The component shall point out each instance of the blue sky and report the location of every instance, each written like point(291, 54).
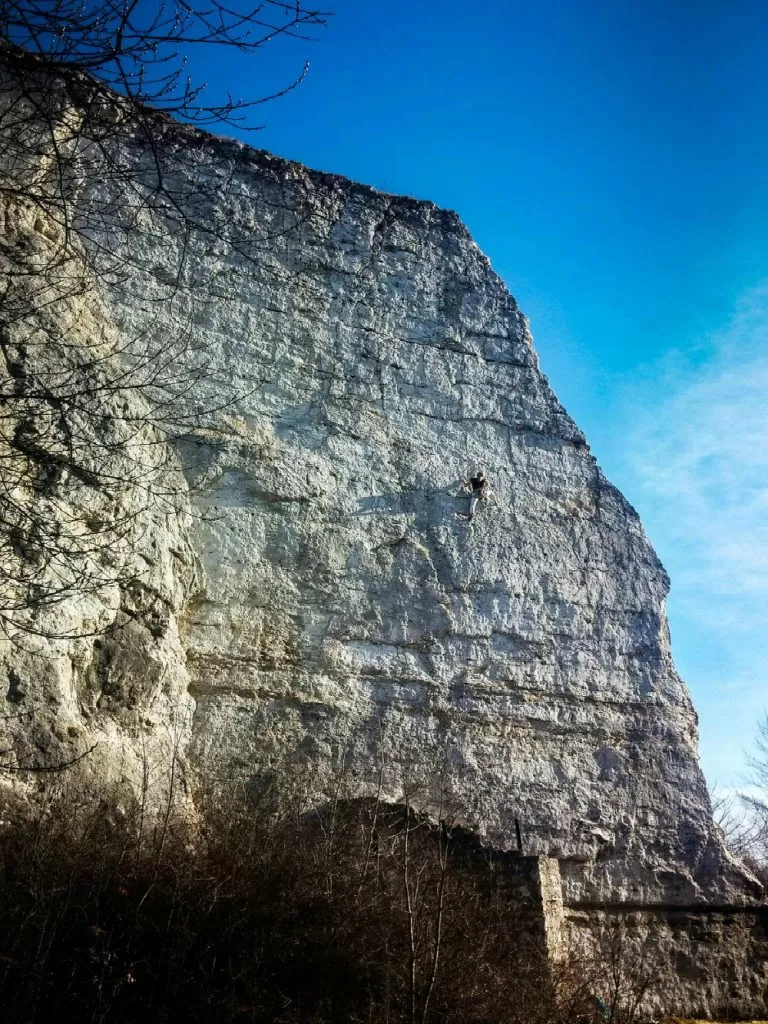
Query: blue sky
point(611, 159)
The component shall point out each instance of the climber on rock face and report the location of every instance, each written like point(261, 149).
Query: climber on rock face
point(480, 490)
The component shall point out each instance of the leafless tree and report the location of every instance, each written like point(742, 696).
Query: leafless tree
point(742, 813)
point(95, 161)
point(733, 819)
point(758, 764)
point(754, 800)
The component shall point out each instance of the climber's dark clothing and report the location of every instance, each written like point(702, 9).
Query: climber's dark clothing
point(480, 491)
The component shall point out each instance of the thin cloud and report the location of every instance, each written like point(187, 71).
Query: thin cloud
point(700, 459)
point(697, 469)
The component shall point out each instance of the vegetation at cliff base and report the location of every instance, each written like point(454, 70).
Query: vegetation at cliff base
point(358, 911)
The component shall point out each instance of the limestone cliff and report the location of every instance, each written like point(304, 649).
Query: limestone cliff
point(361, 360)
point(95, 559)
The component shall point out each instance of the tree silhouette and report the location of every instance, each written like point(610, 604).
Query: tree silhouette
point(95, 162)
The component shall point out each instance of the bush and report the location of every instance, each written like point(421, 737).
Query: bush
point(356, 911)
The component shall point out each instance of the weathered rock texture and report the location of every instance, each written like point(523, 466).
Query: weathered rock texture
point(94, 661)
point(362, 360)
point(708, 962)
point(351, 614)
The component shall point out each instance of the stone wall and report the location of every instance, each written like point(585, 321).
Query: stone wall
point(701, 961)
point(704, 960)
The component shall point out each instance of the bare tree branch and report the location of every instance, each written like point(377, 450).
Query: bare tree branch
point(101, 165)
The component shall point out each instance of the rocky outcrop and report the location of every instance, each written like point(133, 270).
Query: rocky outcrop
point(365, 359)
point(350, 366)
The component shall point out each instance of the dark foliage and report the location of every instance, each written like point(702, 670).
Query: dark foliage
point(356, 912)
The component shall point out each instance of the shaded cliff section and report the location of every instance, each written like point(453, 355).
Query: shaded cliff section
point(95, 560)
point(360, 359)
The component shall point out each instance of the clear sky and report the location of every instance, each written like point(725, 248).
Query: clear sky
point(611, 158)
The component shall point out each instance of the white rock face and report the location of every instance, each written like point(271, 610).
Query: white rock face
point(363, 360)
point(351, 614)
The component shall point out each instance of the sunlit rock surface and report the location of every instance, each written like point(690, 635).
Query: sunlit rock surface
point(364, 359)
point(351, 365)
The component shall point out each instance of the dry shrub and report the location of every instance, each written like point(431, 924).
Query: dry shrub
point(354, 911)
